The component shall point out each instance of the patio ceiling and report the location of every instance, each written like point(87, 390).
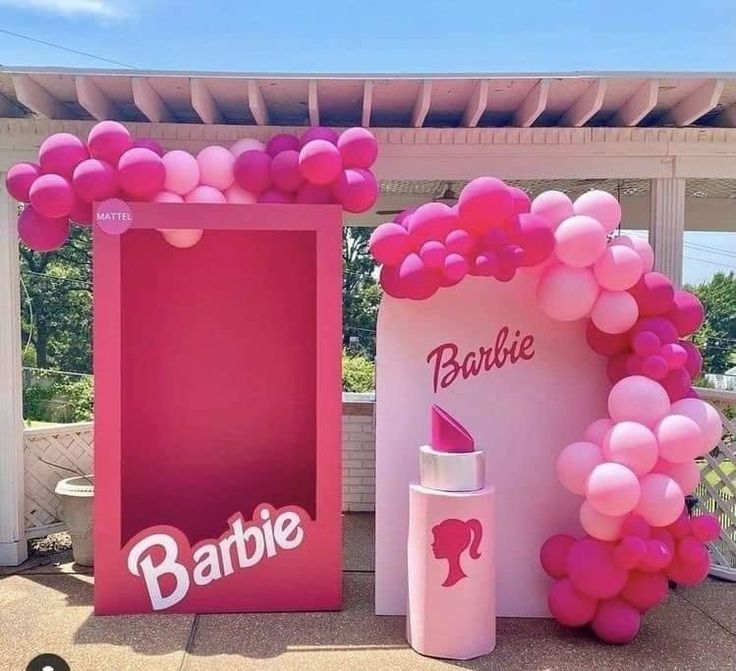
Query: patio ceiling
point(429, 101)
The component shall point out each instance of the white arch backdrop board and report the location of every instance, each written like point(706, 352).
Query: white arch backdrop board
point(522, 414)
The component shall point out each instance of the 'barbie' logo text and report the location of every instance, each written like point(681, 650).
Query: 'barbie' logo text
point(451, 538)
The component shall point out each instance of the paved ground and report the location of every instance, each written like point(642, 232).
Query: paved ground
point(47, 608)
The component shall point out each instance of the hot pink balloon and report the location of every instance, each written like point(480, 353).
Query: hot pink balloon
point(680, 439)
point(654, 367)
point(205, 194)
point(455, 268)
point(81, 213)
point(633, 445)
point(554, 206)
point(60, 153)
point(553, 555)
point(661, 500)
point(356, 190)
point(662, 327)
point(521, 201)
point(619, 268)
point(616, 621)
point(677, 384)
point(216, 167)
point(600, 526)
point(705, 528)
point(567, 294)
point(459, 242)
point(705, 416)
point(687, 313)
point(108, 141)
point(19, 178)
point(614, 312)
point(95, 180)
point(645, 590)
point(320, 162)
point(433, 253)
point(597, 430)
point(694, 363)
point(606, 344)
point(432, 221)
point(630, 551)
point(580, 241)
point(646, 343)
point(246, 144)
point(486, 264)
point(319, 133)
point(238, 196)
point(485, 202)
point(150, 143)
point(314, 194)
point(601, 206)
point(689, 574)
point(575, 464)
point(389, 243)
point(358, 148)
point(52, 196)
point(654, 293)
point(167, 197)
point(612, 489)
point(40, 233)
point(182, 172)
point(390, 282)
point(275, 197)
point(536, 238)
point(282, 142)
point(285, 173)
point(641, 246)
point(635, 525)
point(141, 173)
point(183, 238)
point(674, 354)
point(638, 399)
point(570, 607)
point(593, 571)
point(252, 171)
point(417, 282)
point(617, 367)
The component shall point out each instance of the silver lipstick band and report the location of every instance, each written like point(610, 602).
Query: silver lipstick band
point(451, 471)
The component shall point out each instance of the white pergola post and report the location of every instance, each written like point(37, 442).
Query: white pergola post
point(667, 225)
point(13, 547)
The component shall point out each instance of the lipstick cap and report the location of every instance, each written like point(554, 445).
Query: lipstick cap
point(451, 471)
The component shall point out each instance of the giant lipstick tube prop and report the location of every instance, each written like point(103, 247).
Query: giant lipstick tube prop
point(451, 568)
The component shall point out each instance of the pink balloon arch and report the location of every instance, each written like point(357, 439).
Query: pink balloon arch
point(633, 467)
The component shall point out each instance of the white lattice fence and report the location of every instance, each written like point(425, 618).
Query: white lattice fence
point(717, 491)
point(68, 446)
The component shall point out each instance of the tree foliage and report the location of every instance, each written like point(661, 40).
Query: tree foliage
point(717, 336)
point(361, 293)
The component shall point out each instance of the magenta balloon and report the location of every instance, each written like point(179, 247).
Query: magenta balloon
point(417, 282)
point(619, 268)
point(282, 142)
point(246, 144)
point(616, 621)
point(52, 196)
point(597, 430)
point(358, 148)
point(455, 268)
point(634, 365)
point(658, 557)
point(459, 241)
point(236, 195)
point(630, 552)
point(686, 474)
point(580, 241)
point(485, 202)
point(661, 501)
point(150, 143)
point(60, 153)
point(314, 194)
point(494, 239)
point(432, 221)
point(285, 172)
point(276, 196)
point(654, 293)
point(614, 311)
point(677, 384)
point(507, 267)
point(638, 399)
point(662, 327)
point(641, 246)
point(141, 173)
point(600, 526)
point(319, 133)
point(575, 464)
point(553, 555)
point(635, 525)
point(680, 439)
point(633, 445)
point(674, 354)
point(691, 551)
point(655, 367)
point(568, 606)
point(182, 172)
point(167, 197)
point(252, 171)
point(592, 569)
point(646, 343)
point(554, 206)
point(19, 179)
point(433, 253)
point(205, 194)
point(486, 264)
point(705, 528)
point(520, 201)
point(95, 180)
point(694, 363)
point(645, 590)
point(356, 189)
point(601, 206)
point(319, 162)
point(536, 238)
point(108, 141)
point(216, 167)
point(705, 416)
point(606, 344)
point(687, 314)
point(403, 215)
point(389, 244)
point(390, 282)
point(689, 574)
point(612, 489)
point(567, 294)
point(81, 213)
point(40, 233)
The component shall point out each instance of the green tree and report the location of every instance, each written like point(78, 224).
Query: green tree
point(360, 292)
point(717, 336)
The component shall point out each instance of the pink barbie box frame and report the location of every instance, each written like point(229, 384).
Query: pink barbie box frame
point(217, 410)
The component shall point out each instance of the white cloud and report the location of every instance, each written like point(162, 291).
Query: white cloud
point(107, 9)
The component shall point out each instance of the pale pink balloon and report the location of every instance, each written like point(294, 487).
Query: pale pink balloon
point(239, 196)
point(705, 416)
point(553, 555)
point(246, 144)
point(554, 206)
point(600, 526)
point(614, 312)
point(641, 246)
point(182, 238)
point(612, 489)
point(569, 606)
point(580, 241)
point(205, 194)
point(638, 399)
point(633, 445)
point(680, 439)
point(182, 171)
point(215, 167)
point(687, 474)
point(601, 206)
point(567, 294)
point(40, 233)
point(597, 430)
point(619, 268)
point(167, 197)
point(575, 463)
point(661, 501)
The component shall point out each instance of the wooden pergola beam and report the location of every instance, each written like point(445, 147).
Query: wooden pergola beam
point(421, 104)
point(91, 97)
point(476, 105)
point(639, 105)
point(37, 99)
point(533, 105)
point(365, 118)
point(698, 103)
point(313, 103)
point(257, 104)
point(583, 109)
point(203, 102)
point(149, 102)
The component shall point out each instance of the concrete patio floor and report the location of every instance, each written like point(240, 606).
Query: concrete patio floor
point(45, 606)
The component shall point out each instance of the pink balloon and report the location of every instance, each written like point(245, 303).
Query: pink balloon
point(108, 141)
point(319, 133)
point(646, 343)
point(389, 244)
point(619, 268)
point(432, 221)
point(705, 528)
point(613, 489)
point(182, 172)
point(680, 439)
point(638, 399)
point(402, 217)
point(617, 367)
point(320, 162)
point(641, 246)
point(600, 526)
point(282, 142)
point(95, 180)
point(52, 196)
point(521, 201)
point(568, 606)
point(659, 555)
point(252, 171)
point(390, 282)
point(141, 173)
point(455, 268)
point(246, 144)
point(634, 525)
point(356, 189)
point(239, 196)
point(575, 464)
point(687, 313)
point(694, 363)
point(149, 143)
point(314, 194)
point(216, 167)
point(19, 178)
point(592, 569)
point(205, 194)
point(645, 590)
point(183, 238)
point(417, 282)
point(459, 242)
point(358, 148)
point(681, 526)
point(654, 293)
point(81, 213)
point(674, 354)
point(662, 327)
point(597, 430)
point(661, 500)
point(285, 173)
point(677, 384)
point(60, 153)
point(614, 311)
point(689, 574)
point(633, 445)
point(433, 253)
point(580, 241)
point(275, 196)
point(630, 552)
point(167, 197)
point(485, 202)
point(553, 555)
point(616, 621)
point(705, 416)
point(691, 551)
point(536, 238)
point(567, 294)
point(486, 264)
point(606, 344)
point(654, 367)
point(554, 206)
point(40, 233)
point(601, 206)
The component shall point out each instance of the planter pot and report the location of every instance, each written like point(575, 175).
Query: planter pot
point(76, 496)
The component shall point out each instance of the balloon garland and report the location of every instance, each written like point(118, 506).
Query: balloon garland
point(635, 466)
point(321, 167)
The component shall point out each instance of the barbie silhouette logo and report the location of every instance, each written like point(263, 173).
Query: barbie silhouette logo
point(451, 538)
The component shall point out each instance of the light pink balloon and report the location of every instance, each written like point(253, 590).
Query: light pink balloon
point(619, 268)
point(182, 238)
point(95, 180)
point(215, 167)
point(705, 416)
point(19, 178)
point(567, 294)
point(612, 489)
point(568, 606)
point(52, 196)
point(320, 162)
point(600, 205)
point(60, 153)
point(237, 195)
point(633, 445)
point(40, 233)
point(687, 474)
point(182, 172)
point(575, 463)
point(638, 399)
point(108, 141)
point(597, 525)
point(661, 501)
point(167, 197)
point(597, 430)
point(641, 246)
point(246, 144)
point(205, 194)
point(553, 555)
point(614, 312)
point(680, 439)
point(554, 206)
point(580, 241)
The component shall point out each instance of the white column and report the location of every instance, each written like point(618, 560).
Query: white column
point(13, 548)
point(667, 225)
